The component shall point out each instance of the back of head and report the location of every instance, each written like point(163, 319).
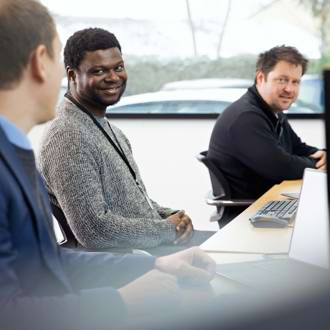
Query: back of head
point(267, 60)
point(24, 24)
point(87, 40)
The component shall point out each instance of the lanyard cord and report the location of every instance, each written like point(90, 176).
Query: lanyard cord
point(120, 152)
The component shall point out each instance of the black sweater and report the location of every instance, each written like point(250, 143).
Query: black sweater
point(255, 149)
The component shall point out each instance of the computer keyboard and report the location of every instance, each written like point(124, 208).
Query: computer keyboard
point(285, 209)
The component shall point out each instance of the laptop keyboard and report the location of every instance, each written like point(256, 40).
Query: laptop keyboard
point(285, 209)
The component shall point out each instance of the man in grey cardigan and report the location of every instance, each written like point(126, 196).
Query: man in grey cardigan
point(44, 286)
point(87, 163)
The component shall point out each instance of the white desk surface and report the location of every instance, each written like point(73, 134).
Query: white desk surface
point(239, 236)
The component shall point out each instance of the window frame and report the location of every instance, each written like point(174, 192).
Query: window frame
point(198, 115)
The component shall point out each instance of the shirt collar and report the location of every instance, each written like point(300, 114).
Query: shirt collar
point(264, 105)
point(14, 134)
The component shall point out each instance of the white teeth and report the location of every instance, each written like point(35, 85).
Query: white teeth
point(112, 90)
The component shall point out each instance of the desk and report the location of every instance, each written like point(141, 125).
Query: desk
point(239, 236)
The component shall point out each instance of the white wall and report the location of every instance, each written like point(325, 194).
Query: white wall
point(310, 131)
point(165, 151)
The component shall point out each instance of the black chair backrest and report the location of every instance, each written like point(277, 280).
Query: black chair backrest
point(66, 230)
point(220, 186)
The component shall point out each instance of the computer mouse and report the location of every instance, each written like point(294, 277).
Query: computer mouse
point(268, 222)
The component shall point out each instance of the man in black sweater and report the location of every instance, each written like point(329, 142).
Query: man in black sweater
point(252, 141)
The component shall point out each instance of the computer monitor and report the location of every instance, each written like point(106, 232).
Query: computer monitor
point(326, 82)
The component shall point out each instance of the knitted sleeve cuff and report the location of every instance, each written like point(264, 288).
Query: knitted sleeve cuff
point(168, 231)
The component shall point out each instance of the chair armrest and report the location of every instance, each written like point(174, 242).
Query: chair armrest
point(229, 202)
point(220, 201)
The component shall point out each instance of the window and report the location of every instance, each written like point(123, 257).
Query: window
point(201, 44)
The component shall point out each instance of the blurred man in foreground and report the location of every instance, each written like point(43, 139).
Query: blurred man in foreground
point(43, 286)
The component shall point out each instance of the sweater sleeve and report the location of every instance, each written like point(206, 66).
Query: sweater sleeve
point(257, 148)
point(73, 176)
point(88, 270)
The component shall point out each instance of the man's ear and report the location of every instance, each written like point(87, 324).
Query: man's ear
point(39, 60)
point(70, 74)
point(260, 77)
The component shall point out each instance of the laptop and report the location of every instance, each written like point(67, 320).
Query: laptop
point(308, 257)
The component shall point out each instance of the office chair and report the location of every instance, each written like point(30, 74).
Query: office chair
point(69, 239)
point(220, 196)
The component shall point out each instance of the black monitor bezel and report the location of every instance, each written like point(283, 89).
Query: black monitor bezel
point(326, 82)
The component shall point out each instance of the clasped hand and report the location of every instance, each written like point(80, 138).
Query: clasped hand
point(321, 159)
point(183, 226)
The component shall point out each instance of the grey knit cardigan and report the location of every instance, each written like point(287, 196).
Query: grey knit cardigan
point(92, 185)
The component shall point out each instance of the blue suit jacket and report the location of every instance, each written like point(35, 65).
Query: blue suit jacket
point(43, 286)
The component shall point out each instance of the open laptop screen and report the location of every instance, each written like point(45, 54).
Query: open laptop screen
point(310, 238)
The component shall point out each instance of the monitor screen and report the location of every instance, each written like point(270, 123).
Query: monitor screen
point(326, 82)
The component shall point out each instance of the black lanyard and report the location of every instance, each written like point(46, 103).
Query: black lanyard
point(119, 149)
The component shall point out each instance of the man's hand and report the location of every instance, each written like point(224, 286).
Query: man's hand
point(184, 227)
point(158, 291)
point(151, 294)
point(321, 157)
point(192, 265)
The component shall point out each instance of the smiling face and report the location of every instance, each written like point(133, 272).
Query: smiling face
point(100, 79)
point(280, 87)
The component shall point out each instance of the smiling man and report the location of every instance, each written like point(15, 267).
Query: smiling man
point(87, 162)
point(44, 286)
point(252, 141)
